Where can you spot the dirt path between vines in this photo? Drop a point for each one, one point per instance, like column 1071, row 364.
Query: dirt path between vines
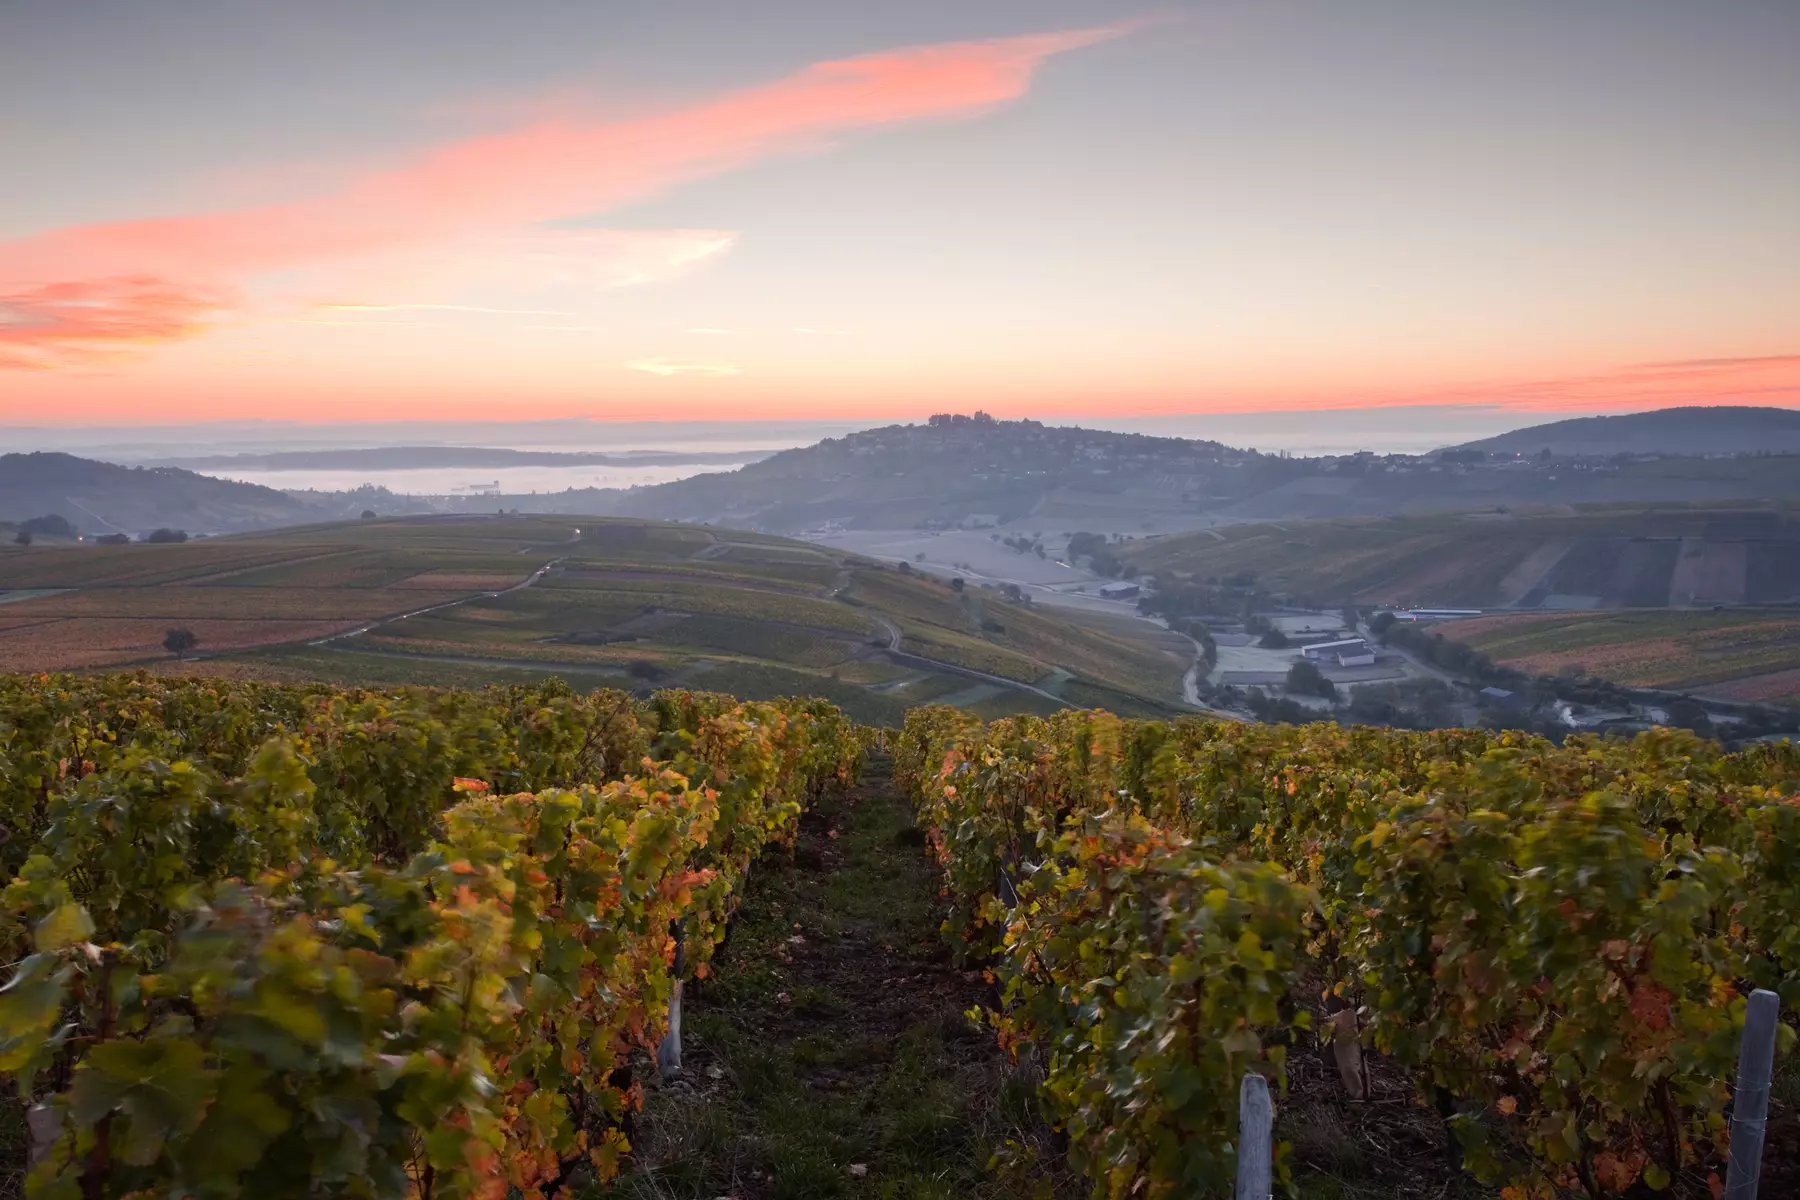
column 829, row 1054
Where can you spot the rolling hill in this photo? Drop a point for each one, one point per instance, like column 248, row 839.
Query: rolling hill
column 1622, row 556
column 1688, row 430
column 478, row 599
column 1002, row 473
column 976, row 472
column 99, row 497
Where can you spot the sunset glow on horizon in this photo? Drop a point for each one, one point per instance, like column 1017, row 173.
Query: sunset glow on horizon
column 1044, row 211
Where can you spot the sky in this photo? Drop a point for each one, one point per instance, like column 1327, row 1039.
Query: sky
column 455, row 210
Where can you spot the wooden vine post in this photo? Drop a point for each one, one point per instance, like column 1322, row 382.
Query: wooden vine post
column 1256, row 1150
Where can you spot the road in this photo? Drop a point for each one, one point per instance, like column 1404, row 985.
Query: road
column 906, row 658
column 419, row 612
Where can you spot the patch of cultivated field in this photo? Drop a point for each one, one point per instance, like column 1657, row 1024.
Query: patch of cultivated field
column 1638, row 556
column 661, row 603
column 190, row 604
column 79, row 642
column 1739, row 654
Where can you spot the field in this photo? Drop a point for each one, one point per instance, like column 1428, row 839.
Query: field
column 599, row 601
column 1593, row 556
column 1736, row 654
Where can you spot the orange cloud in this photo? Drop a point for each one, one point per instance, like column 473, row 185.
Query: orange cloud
column 75, row 323
column 483, row 187
column 1763, row 379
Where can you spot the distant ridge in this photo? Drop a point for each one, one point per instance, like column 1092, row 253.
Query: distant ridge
column 99, row 497
column 1687, row 430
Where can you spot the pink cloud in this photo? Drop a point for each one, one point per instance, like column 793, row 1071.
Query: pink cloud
column 489, row 186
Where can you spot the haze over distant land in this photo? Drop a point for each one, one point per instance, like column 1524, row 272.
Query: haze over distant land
column 954, row 472
column 862, row 213
column 1393, row 430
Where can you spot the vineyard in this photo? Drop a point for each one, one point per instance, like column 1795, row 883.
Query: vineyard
column 282, row 940
column 294, row 939
column 1556, row 943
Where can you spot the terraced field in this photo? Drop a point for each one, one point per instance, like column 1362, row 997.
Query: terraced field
column 1594, row 556
column 622, row 602
column 1737, row 654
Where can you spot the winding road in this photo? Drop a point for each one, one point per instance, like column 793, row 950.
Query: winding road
column 461, row 600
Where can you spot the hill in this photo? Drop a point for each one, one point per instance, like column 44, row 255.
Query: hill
column 1687, row 430
column 950, row 473
column 979, row 473
column 1621, row 556
column 99, row 497
column 480, row 599
column 967, row 471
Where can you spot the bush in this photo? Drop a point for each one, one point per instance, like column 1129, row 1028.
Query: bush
column 164, row 536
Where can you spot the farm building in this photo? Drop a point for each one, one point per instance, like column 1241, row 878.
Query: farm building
column 1435, row 614
column 1118, row 591
column 1348, row 652
column 1502, row 697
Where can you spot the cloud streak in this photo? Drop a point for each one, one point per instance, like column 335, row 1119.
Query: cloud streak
column 161, row 278
column 662, row 366
column 461, row 308
column 1756, row 379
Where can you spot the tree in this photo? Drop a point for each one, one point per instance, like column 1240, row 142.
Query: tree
column 905, row 567
column 23, row 537
column 1273, row 640
column 167, row 535
column 956, row 585
column 45, row 526
column 1305, row 679
column 1688, row 713
column 1381, row 623
column 179, row 641
column 368, row 514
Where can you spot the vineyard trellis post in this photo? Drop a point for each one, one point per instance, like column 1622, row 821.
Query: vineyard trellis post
column 1256, row 1129
column 1750, row 1103
column 668, row 1051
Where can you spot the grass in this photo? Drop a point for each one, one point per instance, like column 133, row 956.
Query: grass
column 832, row 1036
